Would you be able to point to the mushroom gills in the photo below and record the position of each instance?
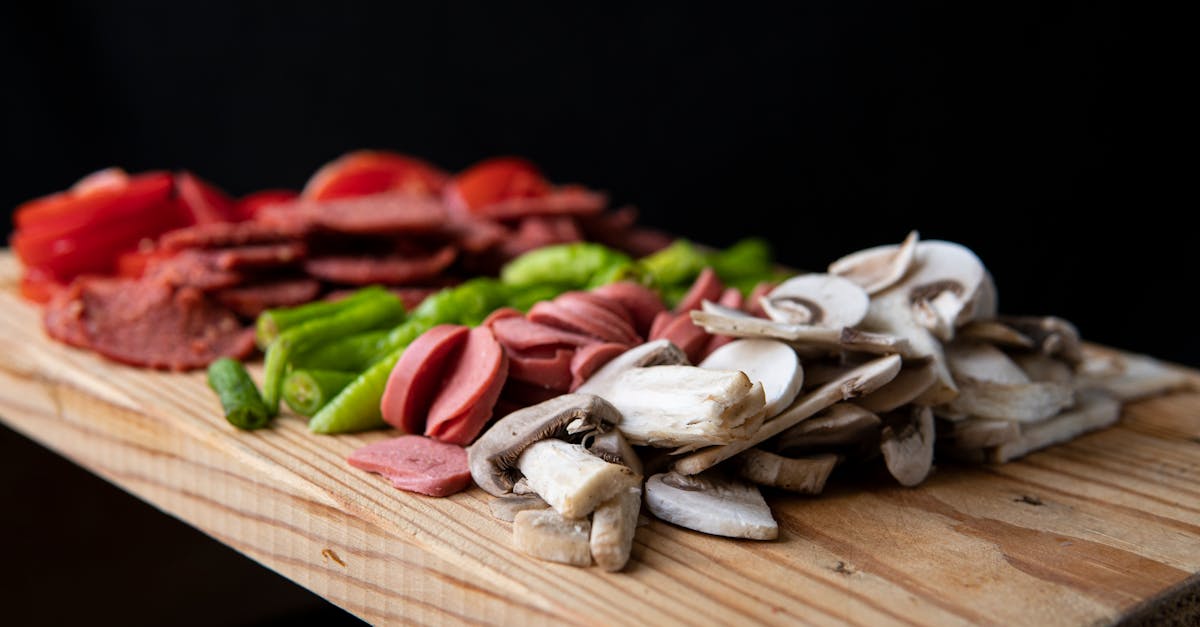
(711, 504)
(546, 535)
(879, 268)
(1095, 410)
(770, 362)
(493, 457)
(570, 479)
(907, 447)
(670, 406)
(506, 508)
(805, 475)
(613, 525)
(862, 380)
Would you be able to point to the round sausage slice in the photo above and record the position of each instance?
(547, 366)
(641, 302)
(588, 360)
(418, 375)
(470, 391)
(416, 464)
(707, 287)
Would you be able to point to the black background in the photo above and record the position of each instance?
(1037, 135)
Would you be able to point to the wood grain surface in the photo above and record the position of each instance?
(1081, 534)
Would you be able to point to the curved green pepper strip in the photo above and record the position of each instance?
(571, 266)
(272, 322)
(353, 353)
(356, 407)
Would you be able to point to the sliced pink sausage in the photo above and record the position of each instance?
(715, 342)
(731, 298)
(641, 302)
(523, 394)
(598, 300)
(707, 287)
(501, 314)
(661, 320)
(690, 338)
(470, 391)
(610, 314)
(753, 305)
(588, 360)
(417, 464)
(578, 317)
(518, 333)
(418, 375)
(545, 366)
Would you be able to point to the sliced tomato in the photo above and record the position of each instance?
(39, 286)
(132, 264)
(371, 172)
(108, 178)
(202, 201)
(248, 205)
(497, 179)
(95, 203)
(90, 250)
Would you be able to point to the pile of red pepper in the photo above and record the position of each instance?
(106, 223)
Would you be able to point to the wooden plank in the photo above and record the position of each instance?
(1083, 533)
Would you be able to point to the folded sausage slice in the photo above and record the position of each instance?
(471, 388)
(418, 376)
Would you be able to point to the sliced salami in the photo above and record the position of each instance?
(392, 269)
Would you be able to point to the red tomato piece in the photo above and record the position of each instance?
(203, 202)
(248, 205)
(500, 178)
(108, 178)
(366, 172)
(68, 210)
(39, 286)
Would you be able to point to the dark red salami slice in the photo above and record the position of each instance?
(391, 269)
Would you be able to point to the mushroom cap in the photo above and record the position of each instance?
(493, 457)
(819, 300)
(908, 447)
(876, 269)
(711, 504)
(942, 286)
(771, 362)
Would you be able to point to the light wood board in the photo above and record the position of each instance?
(1081, 534)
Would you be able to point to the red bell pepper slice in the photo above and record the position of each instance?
(203, 202)
(371, 172)
(69, 210)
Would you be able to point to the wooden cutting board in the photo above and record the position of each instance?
(1097, 530)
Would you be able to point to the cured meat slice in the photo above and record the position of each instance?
(522, 334)
(661, 320)
(753, 304)
(248, 301)
(466, 400)
(418, 375)
(578, 317)
(598, 300)
(365, 215)
(706, 287)
(225, 234)
(731, 298)
(192, 268)
(416, 464)
(547, 367)
(525, 394)
(589, 359)
(566, 200)
(641, 302)
(690, 338)
(391, 269)
(536, 232)
(150, 324)
(260, 256)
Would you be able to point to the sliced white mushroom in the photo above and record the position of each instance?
(506, 507)
(611, 446)
(913, 381)
(805, 475)
(908, 448)
(1129, 377)
(840, 425)
(711, 504)
(770, 362)
(657, 353)
(720, 320)
(1095, 410)
(859, 381)
(1044, 368)
(570, 479)
(978, 433)
(670, 406)
(879, 268)
(991, 385)
(546, 535)
(1051, 335)
(891, 315)
(993, 332)
(819, 300)
(613, 525)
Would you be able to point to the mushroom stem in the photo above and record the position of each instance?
(908, 449)
(570, 479)
(805, 475)
(545, 534)
(668, 406)
(613, 525)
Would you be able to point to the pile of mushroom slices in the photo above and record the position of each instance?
(894, 347)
